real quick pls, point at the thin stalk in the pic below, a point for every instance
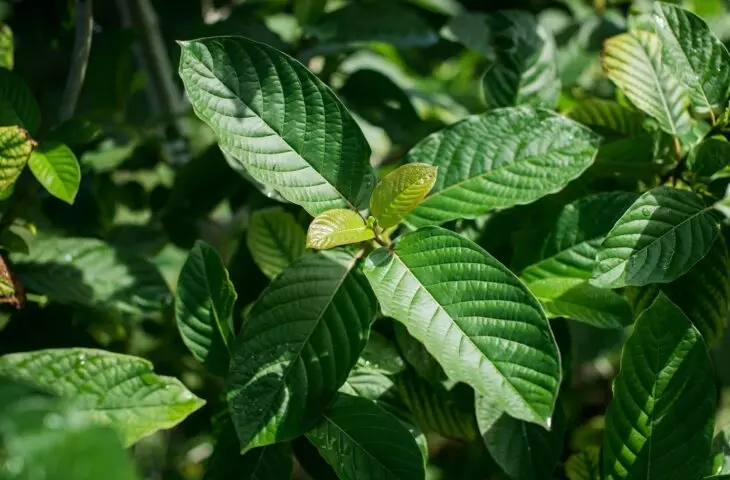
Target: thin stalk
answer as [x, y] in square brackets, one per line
[84, 20]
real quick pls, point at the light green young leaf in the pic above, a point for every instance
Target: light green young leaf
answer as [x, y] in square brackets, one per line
[203, 307]
[703, 293]
[362, 441]
[495, 339]
[17, 104]
[276, 118]
[659, 238]
[660, 421]
[337, 227]
[633, 61]
[585, 465]
[7, 48]
[694, 55]
[107, 388]
[15, 150]
[576, 299]
[571, 248]
[505, 157]
[300, 341]
[523, 450]
[275, 240]
[400, 192]
[56, 168]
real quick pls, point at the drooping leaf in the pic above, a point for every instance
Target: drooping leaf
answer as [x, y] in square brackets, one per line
[505, 157]
[661, 236]
[56, 168]
[709, 157]
[694, 55]
[300, 341]
[703, 293]
[15, 150]
[633, 61]
[362, 441]
[203, 307]
[401, 191]
[523, 450]
[495, 339]
[337, 227]
[584, 465]
[18, 106]
[374, 21]
[275, 240]
[272, 462]
[571, 248]
[279, 121]
[523, 70]
[608, 116]
[7, 48]
[89, 272]
[660, 421]
[106, 388]
[577, 299]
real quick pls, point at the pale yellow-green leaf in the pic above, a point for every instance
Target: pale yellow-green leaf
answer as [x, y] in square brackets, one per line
[15, 148]
[6, 47]
[401, 191]
[337, 227]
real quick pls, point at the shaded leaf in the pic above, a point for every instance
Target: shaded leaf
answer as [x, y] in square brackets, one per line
[401, 191]
[275, 240]
[381, 355]
[337, 227]
[56, 168]
[17, 104]
[584, 465]
[608, 116]
[709, 157]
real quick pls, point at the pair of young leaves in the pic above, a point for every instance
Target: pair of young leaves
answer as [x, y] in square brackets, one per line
[392, 199]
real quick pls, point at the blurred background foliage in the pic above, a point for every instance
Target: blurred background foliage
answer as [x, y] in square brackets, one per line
[154, 181]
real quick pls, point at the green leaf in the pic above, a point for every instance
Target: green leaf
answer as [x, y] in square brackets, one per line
[703, 293]
[272, 462]
[56, 168]
[381, 355]
[523, 450]
[275, 240]
[499, 159]
[361, 441]
[523, 70]
[694, 55]
[15, 149]
[577, 299]
[401, 191]
[308, 11]
[7, 48]
[585, 465]
[437, 410]
[280, 122]
[374, 21]
[203, 307]
[660, 421]
[89, 272]
[495, 339]
[659, 238]
[608, 116]
[106, 388]
[709, 157]
[337, 227]
[633, 62]
[300, 341]
[418, 357]
[571, 247]
[17, 104]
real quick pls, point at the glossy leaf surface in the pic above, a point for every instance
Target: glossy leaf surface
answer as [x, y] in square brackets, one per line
[400, 192]
[337, 227]
[56, 168]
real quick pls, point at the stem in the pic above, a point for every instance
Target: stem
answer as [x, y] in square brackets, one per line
[79, 60]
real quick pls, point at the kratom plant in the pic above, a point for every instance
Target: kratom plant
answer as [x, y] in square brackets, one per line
[393, 240]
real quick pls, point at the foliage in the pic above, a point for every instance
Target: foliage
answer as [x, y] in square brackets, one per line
[406, 239]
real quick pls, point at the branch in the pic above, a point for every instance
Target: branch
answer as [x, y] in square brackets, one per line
[80, 58]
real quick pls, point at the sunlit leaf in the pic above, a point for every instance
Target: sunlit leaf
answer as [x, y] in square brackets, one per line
[56, 168]
[337, 227]
[401, 191]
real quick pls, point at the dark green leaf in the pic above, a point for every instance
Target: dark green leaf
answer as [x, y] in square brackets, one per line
[709, 157]
[17, 103]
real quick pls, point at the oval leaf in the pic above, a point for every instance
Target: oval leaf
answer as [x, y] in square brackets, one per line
[275, 240]
[633, 62]
[337, 227]
[400, 192]
[56, 168]
[362, 441]
[107, 388]
[473, 315]
[203, 307]
[703, 294]
[15, 150]
[660, 421]
[659, 238]
[279, 121]
[571, 247]
[18, 103]
[300, 341]
[499, 159]
[89, 272]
